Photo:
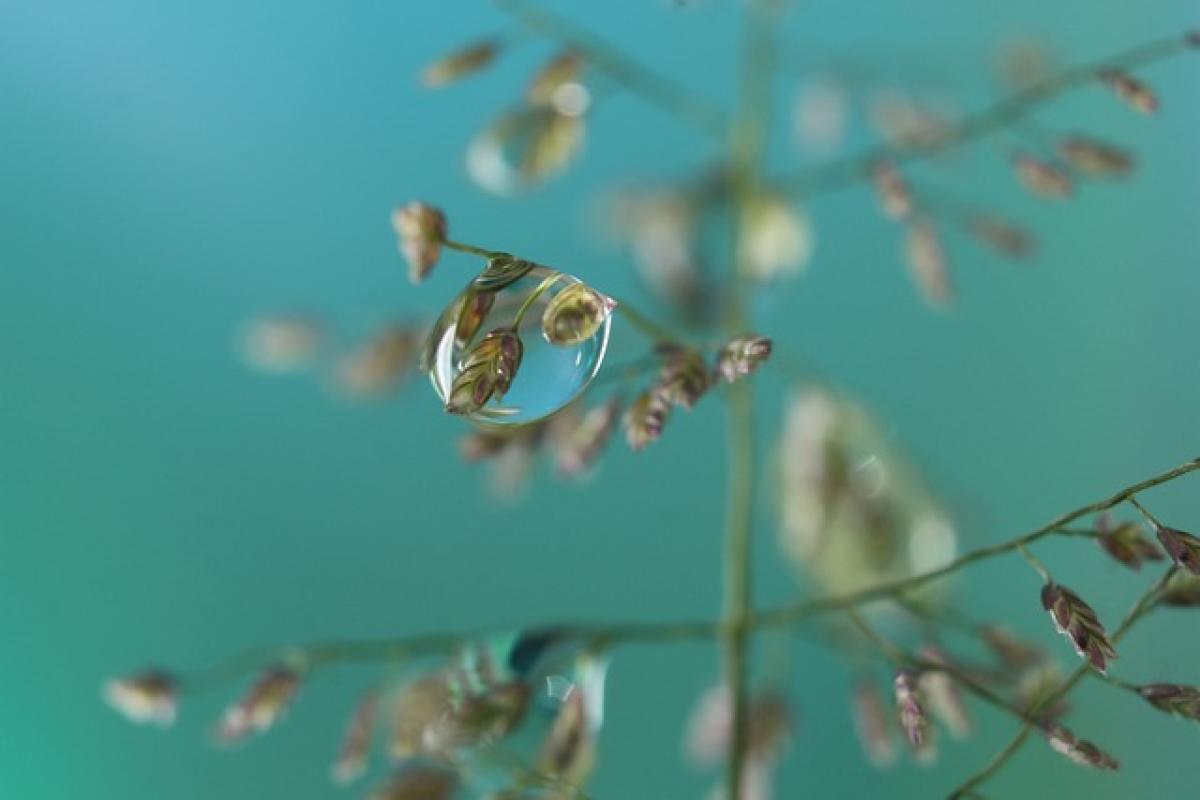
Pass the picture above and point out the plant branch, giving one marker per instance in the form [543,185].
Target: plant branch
[1143,606]
[1007,112]
[622,69]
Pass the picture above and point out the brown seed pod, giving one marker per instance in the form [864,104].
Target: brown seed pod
[1183,548]
[487,371]
[356,745]
[1077,621]
[645,418]
[420,229]
[261,706]
[1080,751]
[460,63]
[1182,701]
[684,377]
[1136,94]
[910,711]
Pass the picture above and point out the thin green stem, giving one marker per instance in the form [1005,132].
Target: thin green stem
[1145,512]
[644,323]
[1036,563]
[609,634]
[1005,113]
[538,291]
[470,248]
[621,68]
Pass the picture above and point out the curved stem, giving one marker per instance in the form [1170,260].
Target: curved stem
[327,653]
[1009,111]
[538,291]
[470,248]
[626,72]
[644,323]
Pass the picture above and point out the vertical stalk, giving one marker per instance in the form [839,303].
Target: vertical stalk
[746,153]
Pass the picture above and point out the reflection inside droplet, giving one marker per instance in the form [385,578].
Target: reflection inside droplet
[549,376]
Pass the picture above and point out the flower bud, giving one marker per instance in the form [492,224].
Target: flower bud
[460,63]
[148,696]
[420,229]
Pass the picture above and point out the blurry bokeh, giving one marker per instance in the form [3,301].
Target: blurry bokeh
[170,170]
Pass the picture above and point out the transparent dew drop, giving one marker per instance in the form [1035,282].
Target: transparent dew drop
[549,376]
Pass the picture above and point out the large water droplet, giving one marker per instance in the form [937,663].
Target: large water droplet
[549,377]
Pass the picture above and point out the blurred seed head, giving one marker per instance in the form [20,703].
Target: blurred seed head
[150,697]
[1078,750]
[460,63]
[380,363]
[927,263]
[578,447]
[528,146]
[872,723]
[645,418]
[741,356]
[1182,591]
[1126,543]
[575,314]
[356,744]
[1076,620]
[418,782]
[684,377]
[1136,94]
[278,344]
[776,241]
[261,707]
[942,694]
[1041,177]
[1004,238]
[1014,653]
[420,229]
[895,198]
[820,115]
[562,70]
[1095,158]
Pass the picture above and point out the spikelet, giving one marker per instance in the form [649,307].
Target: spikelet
[1137,95]
[1002,237]
[1126,543]
[150,696]
[471,314]
[1182,701]
[1095,158]
[871,723]
[910,711]
[927,263]
[420,229]
[1078,750]
[684,377]
[942,695]
[1077,621]
[261,706]
[477,718]
[1011,651]
[776,239]
[487,371]
[380,363]
[578,448]
[1041,177]
[563,69]
[575,314]
[895,198]
[416,709]
[523,148]
[1183,548]
[741,356]
[645,418]
[1182,591]
[281,343]
[460,63]
[356,744]
[418,782]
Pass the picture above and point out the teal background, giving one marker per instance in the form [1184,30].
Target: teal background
[170,169]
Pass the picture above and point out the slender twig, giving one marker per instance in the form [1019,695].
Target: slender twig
[631,75]
[1005,113]
[644,323]
[609,634]
[1146,602]
[470,248]
[1153,520]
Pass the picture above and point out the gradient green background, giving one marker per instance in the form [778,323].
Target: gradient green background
[169,169]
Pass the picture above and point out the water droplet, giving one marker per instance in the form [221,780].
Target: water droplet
[549,376]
